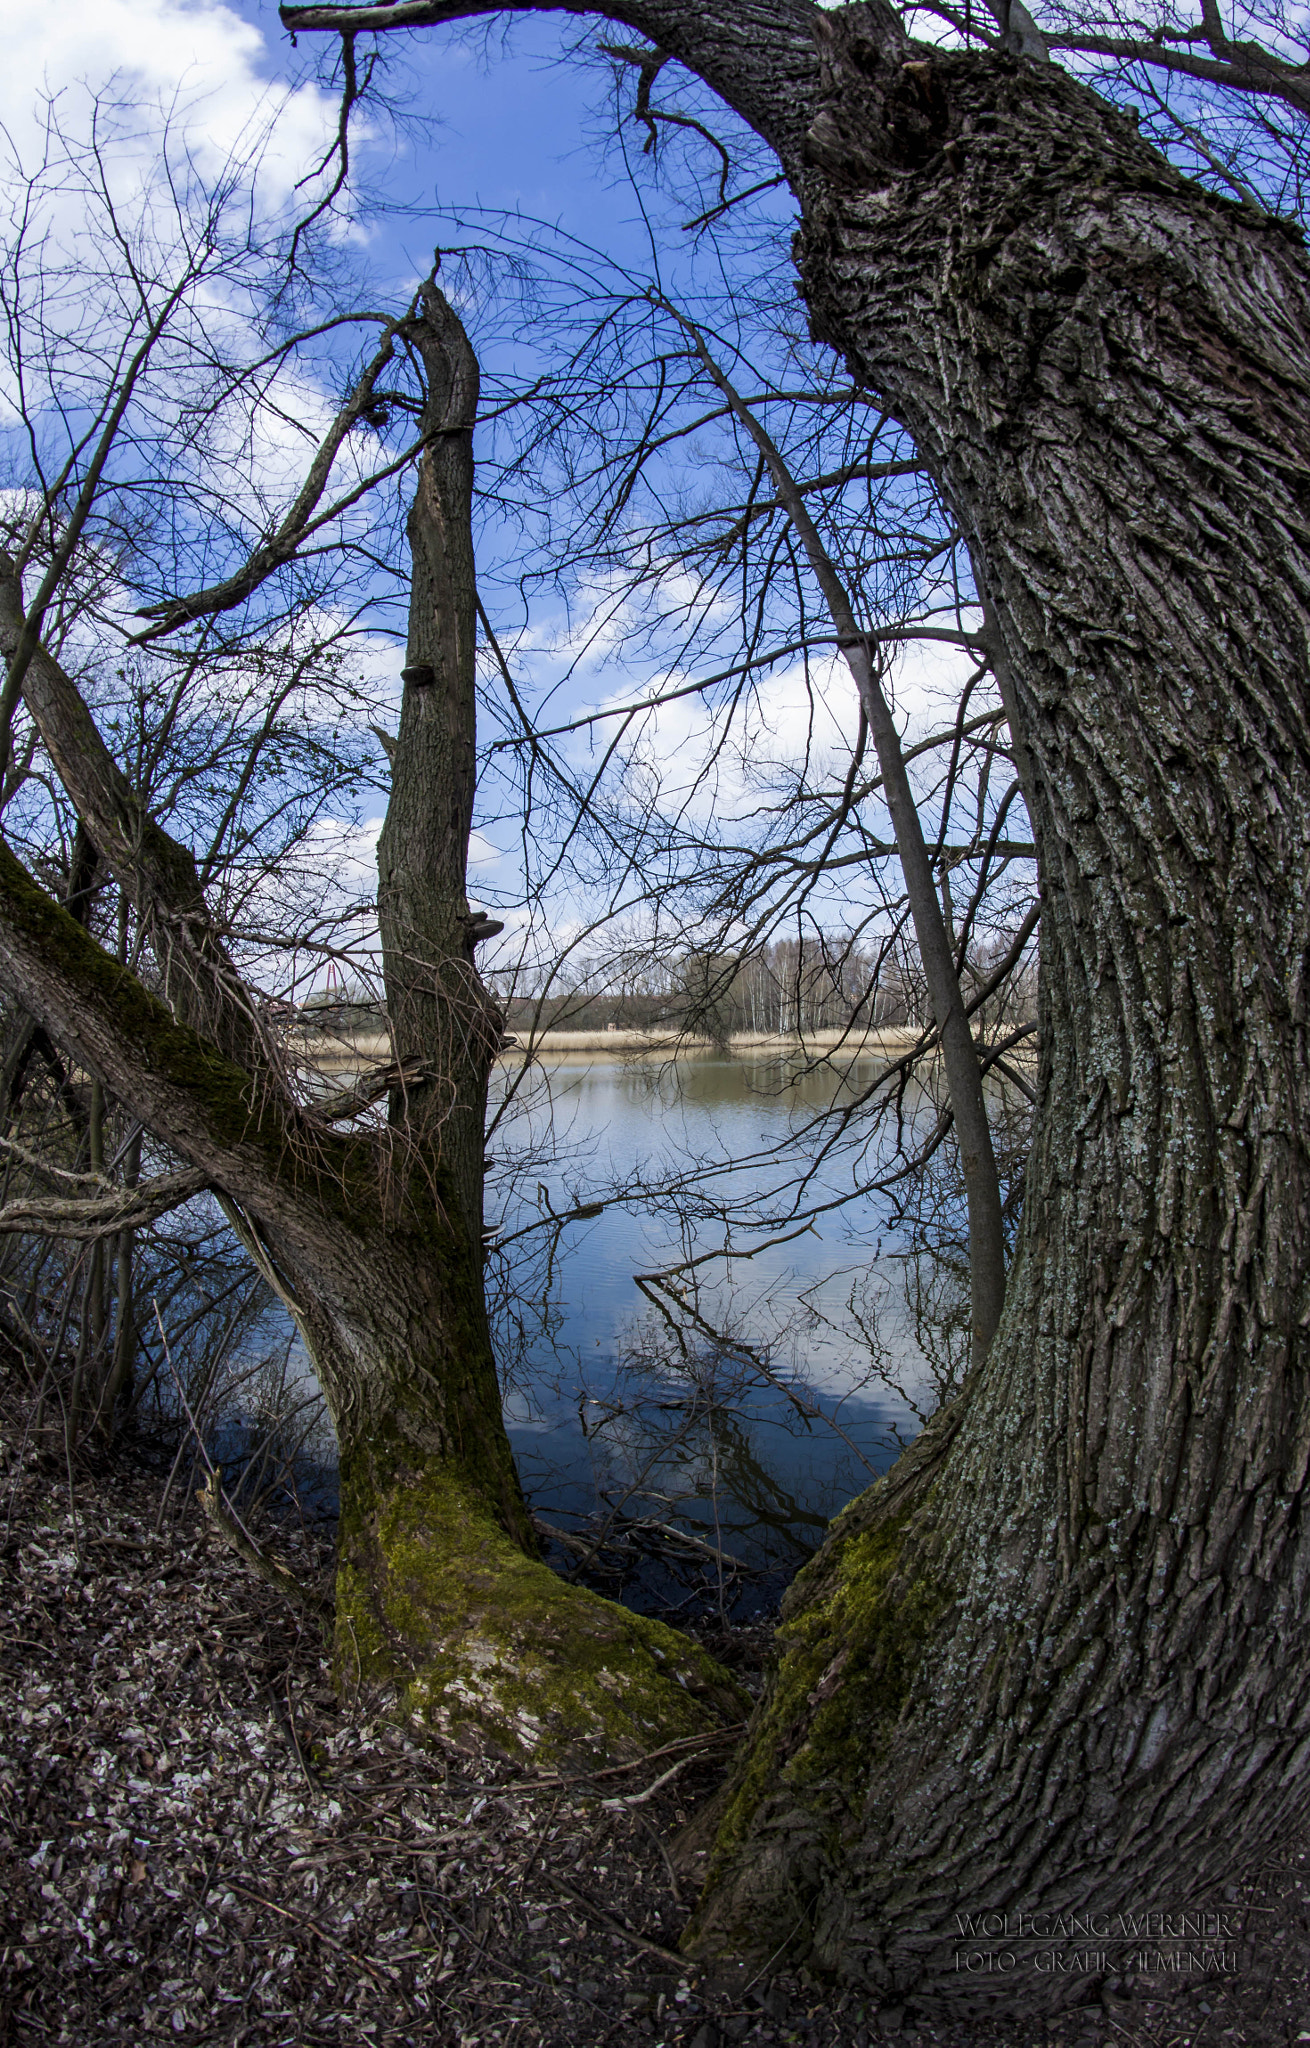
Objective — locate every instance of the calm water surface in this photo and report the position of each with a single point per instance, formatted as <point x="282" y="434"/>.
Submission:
<point x="752" y="1450"/>
<point x="749" y="1425"/>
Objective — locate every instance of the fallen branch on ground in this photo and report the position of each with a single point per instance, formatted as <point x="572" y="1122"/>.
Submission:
<point x="210" y="1496"/>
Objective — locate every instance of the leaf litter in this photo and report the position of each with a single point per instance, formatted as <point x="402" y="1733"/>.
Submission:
<point x="201" y="1839"/>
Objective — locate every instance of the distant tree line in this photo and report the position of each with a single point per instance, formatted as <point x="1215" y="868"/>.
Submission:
<point x="822" y="982"/>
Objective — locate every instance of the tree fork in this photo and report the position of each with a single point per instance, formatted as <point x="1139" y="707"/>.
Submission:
<point x="440" y="1593"/>
<point x="372" y="1238"/>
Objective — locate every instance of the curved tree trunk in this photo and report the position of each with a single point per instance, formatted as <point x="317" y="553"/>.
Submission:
<point x="440" y="1593"/>
<point x="1060" y="1657"/>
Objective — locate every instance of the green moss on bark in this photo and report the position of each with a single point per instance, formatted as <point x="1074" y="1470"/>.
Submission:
<point x="847" y="1659"/>
<point x="195" y="1091"/>
<point x="488" y="1647"/>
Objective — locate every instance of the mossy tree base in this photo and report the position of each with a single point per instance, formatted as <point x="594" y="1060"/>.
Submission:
<point x="853" y="1629"/>
<point x="491" y="1650"/>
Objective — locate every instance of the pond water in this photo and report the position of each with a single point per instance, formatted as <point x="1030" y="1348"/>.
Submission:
<point x="770" y="1413"/>
<point x="688" y="1442"/>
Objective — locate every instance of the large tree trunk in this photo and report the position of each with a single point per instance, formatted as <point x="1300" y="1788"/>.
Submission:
<point x="372" y="1239"/>
<point x="1060" y="1658"/>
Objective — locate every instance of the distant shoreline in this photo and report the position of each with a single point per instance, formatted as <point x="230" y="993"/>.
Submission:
<point x="891" y="1039"/>
<point x="335" y="1052"/>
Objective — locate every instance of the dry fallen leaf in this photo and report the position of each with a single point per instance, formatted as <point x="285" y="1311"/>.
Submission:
<point x="202" y="1842"/>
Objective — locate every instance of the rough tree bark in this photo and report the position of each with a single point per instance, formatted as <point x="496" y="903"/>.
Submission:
<point x="373" y="1239"/>
<point x="435" y="998"/>
<point x="1059" y="1657"/>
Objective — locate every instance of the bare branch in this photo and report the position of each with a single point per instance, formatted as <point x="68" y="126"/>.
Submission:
<point x="410" y="1072"/>
<point x="353" y="89"/>
<point x="298" y="522"/>
<point x="986" y="1232"/>
<point x="89" y="1217"/>
<point x="157" y="873"/>
<point x="1248" y="69"/>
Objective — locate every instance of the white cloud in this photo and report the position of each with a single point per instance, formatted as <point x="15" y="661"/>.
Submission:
<point x="349" y="853"/>
<point x="482" y="852"/>
<point x="155" y="52"/>
<point x="791" y="717"/>
<point x="926" y="679"/>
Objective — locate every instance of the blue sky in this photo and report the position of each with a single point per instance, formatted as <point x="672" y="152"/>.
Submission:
<point x="513" y="126"/>
<point x="515" y="122"/>
<point x="511" y="121"/>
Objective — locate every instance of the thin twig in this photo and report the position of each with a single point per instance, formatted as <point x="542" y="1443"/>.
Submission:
<point x="684" y="1742"/>
<point x="626" y="1801"/>
<point x="312" y="1927"/>
<point x="614" y="1926"/>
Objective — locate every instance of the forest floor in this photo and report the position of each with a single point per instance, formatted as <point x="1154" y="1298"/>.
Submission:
<point x="201" y="1840"/>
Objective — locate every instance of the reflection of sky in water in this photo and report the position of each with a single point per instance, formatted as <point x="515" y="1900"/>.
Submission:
<point x="602" y="1412"/>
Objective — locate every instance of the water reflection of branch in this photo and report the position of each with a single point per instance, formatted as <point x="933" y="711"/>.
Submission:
<point x="619" y="1546"/>
<point x="558" y="1217"/>
<point x="637" y="1526"/>
<point x="806" y="1407"/>
<point x="660" y="1452"/>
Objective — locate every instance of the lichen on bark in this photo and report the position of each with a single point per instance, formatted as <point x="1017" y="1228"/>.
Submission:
<point x="488" y="1648"/>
